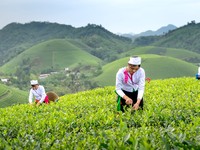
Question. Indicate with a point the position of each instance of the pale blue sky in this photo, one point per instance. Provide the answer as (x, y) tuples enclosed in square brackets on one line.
[(117, 16)]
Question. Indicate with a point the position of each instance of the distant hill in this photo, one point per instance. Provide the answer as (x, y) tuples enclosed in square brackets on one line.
[(10, 96), (16, 37), (185, 37), (161, 31), (156, 67), (53, 54)]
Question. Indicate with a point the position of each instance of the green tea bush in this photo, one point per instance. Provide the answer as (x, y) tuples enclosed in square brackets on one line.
[(90, 120)]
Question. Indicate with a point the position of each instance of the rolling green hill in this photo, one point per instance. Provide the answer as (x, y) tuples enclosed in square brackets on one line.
[(182, 54), (10, 96), (16, 37), (156, 67), (89, 120), (56, 54)]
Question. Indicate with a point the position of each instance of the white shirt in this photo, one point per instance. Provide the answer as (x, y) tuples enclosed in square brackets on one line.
[(137, 82), (199, 71), (39, 94)]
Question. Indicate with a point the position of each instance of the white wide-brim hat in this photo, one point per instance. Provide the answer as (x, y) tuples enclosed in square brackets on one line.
[(135, 60), (34, 82)]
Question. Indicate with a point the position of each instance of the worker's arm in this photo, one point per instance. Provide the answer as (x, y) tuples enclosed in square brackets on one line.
[(43, 94), (30, 99), (119, 85), (140, 89)]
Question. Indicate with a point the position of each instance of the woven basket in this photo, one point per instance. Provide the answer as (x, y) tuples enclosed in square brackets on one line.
[(53, 97)]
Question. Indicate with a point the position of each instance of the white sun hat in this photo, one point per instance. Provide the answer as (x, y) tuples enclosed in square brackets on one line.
[(34, 82), (135, 60)]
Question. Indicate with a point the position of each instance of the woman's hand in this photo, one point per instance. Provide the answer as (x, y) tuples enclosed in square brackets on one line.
[(136, 105), (38, 104), (128, 100)]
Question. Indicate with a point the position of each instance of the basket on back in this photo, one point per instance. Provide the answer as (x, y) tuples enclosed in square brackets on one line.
[(53, 97)]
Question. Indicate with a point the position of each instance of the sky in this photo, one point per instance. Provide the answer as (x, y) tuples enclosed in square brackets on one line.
[(117, 16)]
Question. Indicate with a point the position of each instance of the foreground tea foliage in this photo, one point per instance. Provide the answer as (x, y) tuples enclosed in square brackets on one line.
[(89, 120)]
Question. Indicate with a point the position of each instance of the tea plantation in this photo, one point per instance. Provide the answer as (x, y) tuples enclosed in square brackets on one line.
[(90, 120)]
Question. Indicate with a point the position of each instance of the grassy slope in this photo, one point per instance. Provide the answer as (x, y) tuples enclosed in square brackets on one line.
[(170, 120), (10, 96), (172, 52), (57, 53), (156, 67)]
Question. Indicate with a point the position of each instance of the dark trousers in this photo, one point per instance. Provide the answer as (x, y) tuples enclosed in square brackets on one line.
[(133, 96)]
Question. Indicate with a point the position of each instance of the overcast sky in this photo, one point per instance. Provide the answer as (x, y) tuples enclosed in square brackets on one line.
[(117, 16)]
